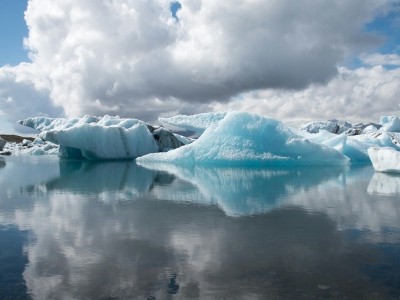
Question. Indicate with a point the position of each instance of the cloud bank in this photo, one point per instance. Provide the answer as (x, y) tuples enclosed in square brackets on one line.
[(133, 58), (361, 95)]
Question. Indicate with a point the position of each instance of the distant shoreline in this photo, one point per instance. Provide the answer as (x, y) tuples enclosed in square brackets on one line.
[(12, 138)]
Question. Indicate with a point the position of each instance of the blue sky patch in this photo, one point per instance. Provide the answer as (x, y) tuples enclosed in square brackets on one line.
[(12, 31), (387, 26), (175, 6)]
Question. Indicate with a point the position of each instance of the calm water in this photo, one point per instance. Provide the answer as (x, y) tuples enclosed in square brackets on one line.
[(115, 230)]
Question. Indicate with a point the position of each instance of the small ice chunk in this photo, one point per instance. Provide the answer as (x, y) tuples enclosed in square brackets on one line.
[(370, 128), (385, 159), (38, 151), (26, 142), (38, 141)]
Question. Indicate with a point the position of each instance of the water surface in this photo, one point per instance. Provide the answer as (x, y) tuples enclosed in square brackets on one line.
[(115, 230)]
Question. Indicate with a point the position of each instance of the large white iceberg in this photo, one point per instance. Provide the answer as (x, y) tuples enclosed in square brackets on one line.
[(103, 138), (247, 139), (194, 123), (385, 159)]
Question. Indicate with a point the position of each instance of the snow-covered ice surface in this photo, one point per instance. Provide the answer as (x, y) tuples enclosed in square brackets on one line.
[(355, 147), (36, 148), (390, 124), (46, 124), (194, 123), (385, 159), (250, 140), (230, 138), (333, 126), (103, 138)]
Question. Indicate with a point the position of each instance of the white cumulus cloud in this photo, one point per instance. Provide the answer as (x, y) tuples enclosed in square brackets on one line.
[(363, 94), (133, 58), (376, 59)]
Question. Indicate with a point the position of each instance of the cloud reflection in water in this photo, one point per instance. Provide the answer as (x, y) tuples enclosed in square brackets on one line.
[(115, 229)]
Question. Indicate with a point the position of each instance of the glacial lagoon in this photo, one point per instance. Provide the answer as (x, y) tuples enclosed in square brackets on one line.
[(116, 230)]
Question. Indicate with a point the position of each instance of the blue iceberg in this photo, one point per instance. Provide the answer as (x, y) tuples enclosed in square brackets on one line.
[(250, 140), (355, 147)]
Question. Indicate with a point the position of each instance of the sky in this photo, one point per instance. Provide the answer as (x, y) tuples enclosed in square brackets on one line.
[(302, 60)]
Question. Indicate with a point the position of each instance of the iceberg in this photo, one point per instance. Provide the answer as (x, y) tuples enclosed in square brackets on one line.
[(103, 138), (333, 126), (243, 139), (250, 140), (363, 128), (385, 159), (355, 147), (339, 127), (390, 124), (196, 124)]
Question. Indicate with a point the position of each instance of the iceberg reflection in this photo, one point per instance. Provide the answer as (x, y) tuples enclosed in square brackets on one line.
[(111, 180), (244, 191), (2, 163), (384, 184), (117, 230)]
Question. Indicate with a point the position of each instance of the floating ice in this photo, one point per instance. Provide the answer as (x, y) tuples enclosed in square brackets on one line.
[(339, 127), (385, 159), (194, 123), (333, 126), (105, 142), (26, 142), (355, 146), (103, 138), (248, 139), (390, 124), (244, 139), (36, 148)]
